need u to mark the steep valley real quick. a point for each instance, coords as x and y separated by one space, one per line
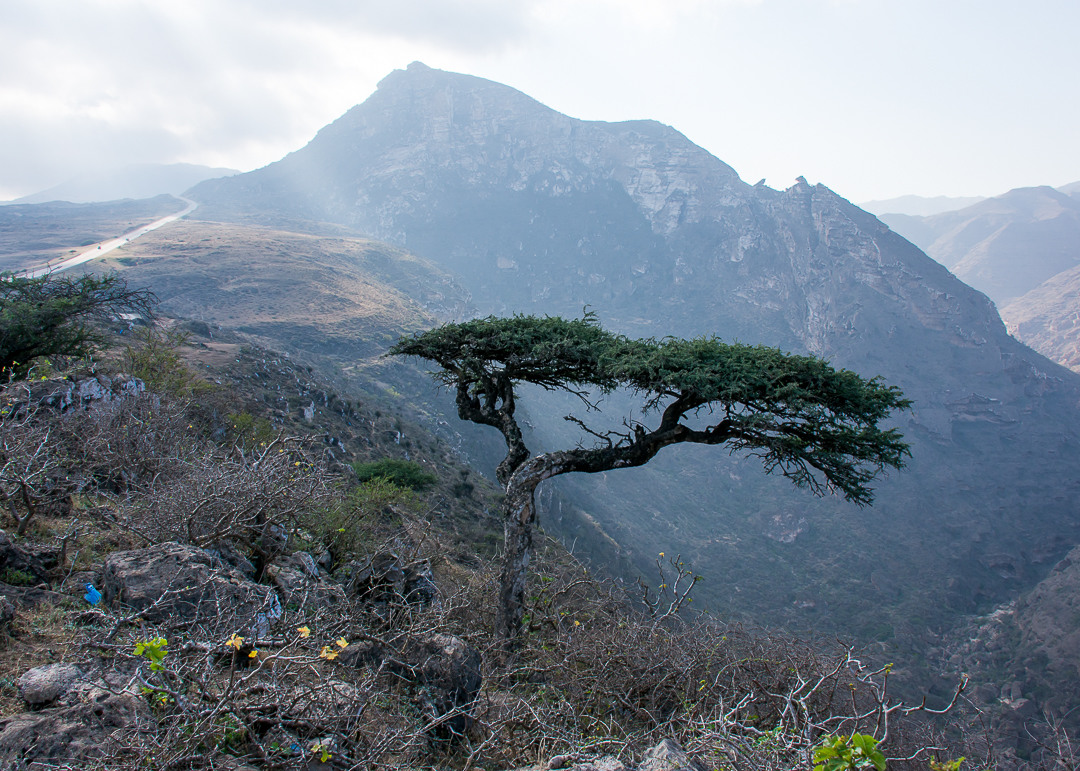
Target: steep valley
445 197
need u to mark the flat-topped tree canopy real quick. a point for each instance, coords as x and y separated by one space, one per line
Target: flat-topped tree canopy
796 413
818 426
549 351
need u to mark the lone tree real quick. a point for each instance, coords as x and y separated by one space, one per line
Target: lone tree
817 426
57 316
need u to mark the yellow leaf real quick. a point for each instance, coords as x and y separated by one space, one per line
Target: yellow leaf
342 643
253 653
235 642
304 631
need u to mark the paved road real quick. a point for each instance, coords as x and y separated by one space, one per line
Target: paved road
97 250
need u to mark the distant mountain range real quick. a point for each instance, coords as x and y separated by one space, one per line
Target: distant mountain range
1022 249
919 206
136 181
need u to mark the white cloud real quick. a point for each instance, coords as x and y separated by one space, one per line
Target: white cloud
852 92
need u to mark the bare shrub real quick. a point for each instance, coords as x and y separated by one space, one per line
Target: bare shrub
255 500
33 469
599 675
129 445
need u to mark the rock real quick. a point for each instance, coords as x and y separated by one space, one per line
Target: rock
360 654
449 670
301 585
668 756
665 756
385 579
601 764
86 392
30 596
18 566
1025 709
44 685
70 737
302 562
234 558
7 614
180 583
1016 691
75 584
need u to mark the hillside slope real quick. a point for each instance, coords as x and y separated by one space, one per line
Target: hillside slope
540 213
1048 318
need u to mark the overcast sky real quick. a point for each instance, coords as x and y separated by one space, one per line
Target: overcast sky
874 98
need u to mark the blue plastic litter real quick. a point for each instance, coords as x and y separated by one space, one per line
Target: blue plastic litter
93 596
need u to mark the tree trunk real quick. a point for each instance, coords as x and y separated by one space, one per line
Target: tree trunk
519 515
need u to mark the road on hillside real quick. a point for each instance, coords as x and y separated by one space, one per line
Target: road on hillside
98 250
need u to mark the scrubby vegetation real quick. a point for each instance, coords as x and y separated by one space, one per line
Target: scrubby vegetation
265 607
403 473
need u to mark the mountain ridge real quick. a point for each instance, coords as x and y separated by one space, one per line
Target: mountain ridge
536 212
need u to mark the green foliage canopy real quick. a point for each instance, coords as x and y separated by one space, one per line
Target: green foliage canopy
797 414
55 316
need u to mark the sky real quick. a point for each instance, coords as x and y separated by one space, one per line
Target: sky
873 98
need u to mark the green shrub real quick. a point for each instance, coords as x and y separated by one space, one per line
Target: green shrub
249 431
16 577
155 359
845 753
403 473
351 525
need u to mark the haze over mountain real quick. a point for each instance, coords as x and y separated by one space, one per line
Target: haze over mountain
1021 249
919 205
540 213
144 180
1003 246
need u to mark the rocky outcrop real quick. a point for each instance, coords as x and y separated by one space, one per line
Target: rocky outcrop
85 392
176 582
386 578
73 736
302 586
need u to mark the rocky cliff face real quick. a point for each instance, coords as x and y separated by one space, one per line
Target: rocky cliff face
1048 318
537 212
